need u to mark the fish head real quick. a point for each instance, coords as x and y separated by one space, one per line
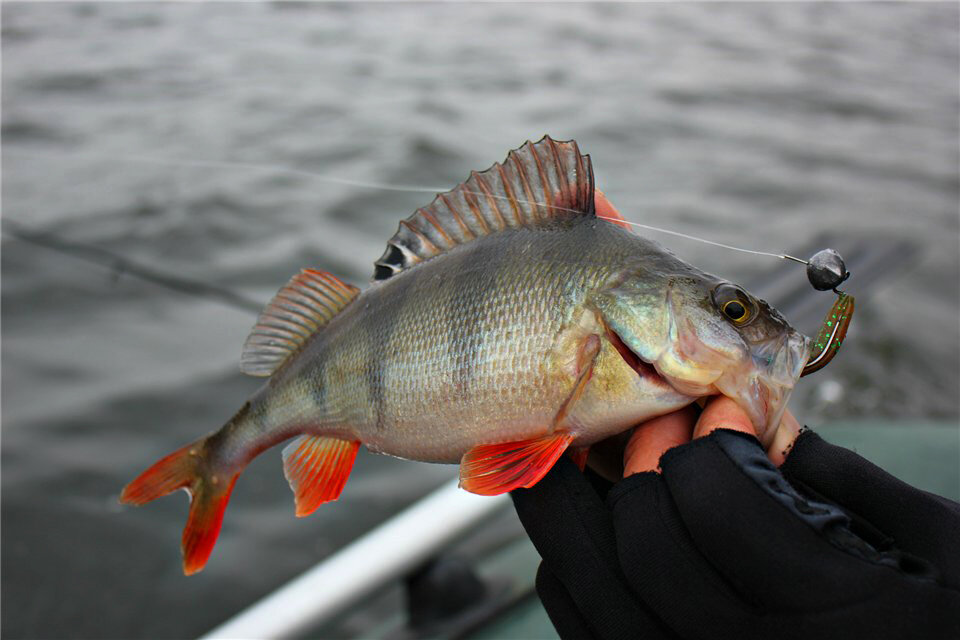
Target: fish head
706 336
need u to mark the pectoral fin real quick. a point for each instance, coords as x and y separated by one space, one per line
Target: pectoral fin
492 469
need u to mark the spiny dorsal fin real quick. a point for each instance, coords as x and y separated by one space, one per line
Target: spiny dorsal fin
300 308
537 184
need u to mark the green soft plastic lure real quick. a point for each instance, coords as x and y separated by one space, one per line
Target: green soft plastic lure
828 340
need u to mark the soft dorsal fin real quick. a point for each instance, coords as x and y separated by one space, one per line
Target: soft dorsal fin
302 306
537 184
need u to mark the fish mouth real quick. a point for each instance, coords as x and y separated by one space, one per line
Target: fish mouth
646 370
762 386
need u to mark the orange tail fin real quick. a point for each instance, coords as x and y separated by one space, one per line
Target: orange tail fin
188 468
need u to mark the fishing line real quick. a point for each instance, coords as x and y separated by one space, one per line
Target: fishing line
125 266
783 256
226 164
252 166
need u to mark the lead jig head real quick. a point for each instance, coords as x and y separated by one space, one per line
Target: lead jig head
827 271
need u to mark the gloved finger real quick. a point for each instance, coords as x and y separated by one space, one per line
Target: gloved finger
880 499
572 530
663 564
651 439
560 607
758 532
570 622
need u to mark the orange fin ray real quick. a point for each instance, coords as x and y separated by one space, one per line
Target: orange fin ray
492 469
207 505
317 469
606 211
301 308
209 492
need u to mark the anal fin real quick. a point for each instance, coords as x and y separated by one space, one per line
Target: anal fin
317 469
492 469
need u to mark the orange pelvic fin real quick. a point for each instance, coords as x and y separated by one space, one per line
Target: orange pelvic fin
579 456
492 469
317 468
187 468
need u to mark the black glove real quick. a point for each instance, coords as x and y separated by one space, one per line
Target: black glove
721 545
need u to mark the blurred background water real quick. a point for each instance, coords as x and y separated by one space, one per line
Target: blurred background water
761 125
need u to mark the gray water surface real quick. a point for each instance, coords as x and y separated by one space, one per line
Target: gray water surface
182 137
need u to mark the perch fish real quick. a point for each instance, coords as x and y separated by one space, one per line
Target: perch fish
505 324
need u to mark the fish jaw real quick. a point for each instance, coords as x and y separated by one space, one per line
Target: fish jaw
762 385
758 377
676 332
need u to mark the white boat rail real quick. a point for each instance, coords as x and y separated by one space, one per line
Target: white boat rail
387 552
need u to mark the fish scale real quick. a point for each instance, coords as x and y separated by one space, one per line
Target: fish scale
505 323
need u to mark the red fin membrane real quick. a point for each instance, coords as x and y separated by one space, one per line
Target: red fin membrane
209 494
317 468
166 475
606 210
579 456
492 469
207 505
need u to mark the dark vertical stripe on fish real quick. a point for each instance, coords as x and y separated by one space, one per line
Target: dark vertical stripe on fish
380 334
372 373
320 384
466 299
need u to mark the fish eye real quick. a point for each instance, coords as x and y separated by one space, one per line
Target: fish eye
734 310
734 303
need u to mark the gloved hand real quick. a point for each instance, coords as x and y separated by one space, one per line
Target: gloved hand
722 544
